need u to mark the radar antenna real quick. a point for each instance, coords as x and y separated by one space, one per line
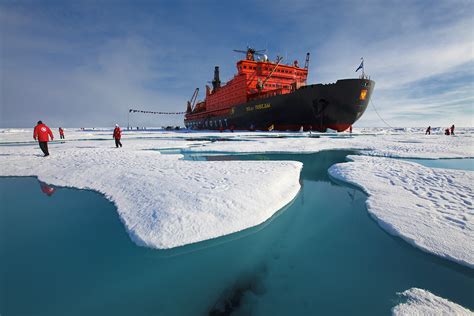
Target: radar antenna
306 63
251 52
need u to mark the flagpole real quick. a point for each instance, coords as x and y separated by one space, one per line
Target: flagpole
361 66
128 120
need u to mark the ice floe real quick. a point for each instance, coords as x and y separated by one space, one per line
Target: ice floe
422 302
163 201
166 202
431 209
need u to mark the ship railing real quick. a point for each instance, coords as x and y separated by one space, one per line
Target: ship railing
224 110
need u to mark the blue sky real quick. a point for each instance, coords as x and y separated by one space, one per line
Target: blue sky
84 63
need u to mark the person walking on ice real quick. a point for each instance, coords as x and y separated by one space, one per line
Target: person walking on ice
117 135
42 134
428 130
61 133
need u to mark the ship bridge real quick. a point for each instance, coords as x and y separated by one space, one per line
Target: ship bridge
255 79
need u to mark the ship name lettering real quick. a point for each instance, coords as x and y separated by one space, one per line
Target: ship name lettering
263 106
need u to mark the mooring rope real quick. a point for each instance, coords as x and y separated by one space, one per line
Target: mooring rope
373 106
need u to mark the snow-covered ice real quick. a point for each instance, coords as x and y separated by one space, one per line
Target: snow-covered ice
410 143
165 202
402 146
431 209
422 302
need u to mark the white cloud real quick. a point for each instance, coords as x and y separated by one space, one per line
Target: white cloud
81 75
401 58
97 91
398 63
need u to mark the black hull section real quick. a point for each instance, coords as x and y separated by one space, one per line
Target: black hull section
314 107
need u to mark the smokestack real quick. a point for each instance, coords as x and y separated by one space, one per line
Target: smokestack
216 83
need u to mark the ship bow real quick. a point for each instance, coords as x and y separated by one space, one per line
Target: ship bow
350 98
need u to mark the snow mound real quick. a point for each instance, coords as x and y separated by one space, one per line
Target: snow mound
422 302
165 202
432 209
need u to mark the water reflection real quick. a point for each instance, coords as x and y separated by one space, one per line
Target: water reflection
46 189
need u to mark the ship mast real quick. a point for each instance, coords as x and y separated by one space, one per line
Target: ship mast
251 52
306 63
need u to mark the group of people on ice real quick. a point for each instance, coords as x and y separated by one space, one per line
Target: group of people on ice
43 135
447 131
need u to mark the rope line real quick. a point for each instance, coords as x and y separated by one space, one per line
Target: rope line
373 106
154 112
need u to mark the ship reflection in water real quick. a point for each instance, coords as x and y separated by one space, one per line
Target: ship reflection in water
323 254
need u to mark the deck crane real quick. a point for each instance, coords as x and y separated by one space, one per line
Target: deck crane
261 85
192 102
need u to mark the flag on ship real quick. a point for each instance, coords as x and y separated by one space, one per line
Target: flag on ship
361 66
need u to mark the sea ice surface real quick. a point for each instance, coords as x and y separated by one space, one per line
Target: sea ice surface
430 208
163 201
422 302
401 143
400 146
167 202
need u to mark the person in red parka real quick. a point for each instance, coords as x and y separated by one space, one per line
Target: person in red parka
42 134
117 135
61 133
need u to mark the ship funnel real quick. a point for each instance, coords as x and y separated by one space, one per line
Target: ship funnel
216 83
